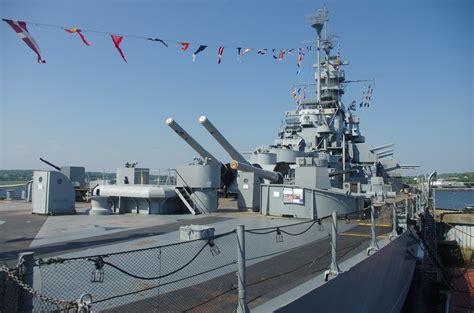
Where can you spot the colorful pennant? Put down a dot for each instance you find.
(219, 54)
(367, 96)
(199, 50)
(117, 40)
(20, 28)
(281, 56)
(79, 32)
(159, 40)
(184, 46)
(352, 106)
(299, 60)
(246, 51)
(338, 60)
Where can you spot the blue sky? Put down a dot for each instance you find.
(85, 106)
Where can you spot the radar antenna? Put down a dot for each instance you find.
(318, 20)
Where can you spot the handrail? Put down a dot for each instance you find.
(187, 185)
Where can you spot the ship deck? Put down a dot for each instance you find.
(269, 275)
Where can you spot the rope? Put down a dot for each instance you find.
(156, 277)
(136, 36)
(285, 250)
(62, 260)
(457, 229)
(164, 284)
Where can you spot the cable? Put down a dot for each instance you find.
(164, 284)
(457, 229)
(286, 250)
(156, 277)
(62, 260)
(141, 36)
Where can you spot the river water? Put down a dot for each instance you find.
(453, 199)
(7, 185)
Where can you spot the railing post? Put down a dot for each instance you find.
(373, 243)
(241, 279)
(407, 213)
(334, 267)
(26, 260)
(3, 290)
(394, 222)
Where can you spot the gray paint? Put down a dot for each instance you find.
(317, 203)
(386, 278)
(136, 176)
(52, 193)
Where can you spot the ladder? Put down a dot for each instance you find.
(185, 197)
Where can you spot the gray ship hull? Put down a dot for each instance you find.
(379, 283)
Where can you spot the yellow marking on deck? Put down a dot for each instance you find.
(360, 235)
(378, 225)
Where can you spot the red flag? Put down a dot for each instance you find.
(20, 28)
(184, 46)
(117, 40)
(282, 54)
(219, 55)
(78, 31)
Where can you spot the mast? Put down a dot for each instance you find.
(317, 22)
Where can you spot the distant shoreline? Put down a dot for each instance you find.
(455, 189)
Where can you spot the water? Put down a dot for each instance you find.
(453, 199)
(4, 187)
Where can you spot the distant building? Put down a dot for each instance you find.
(443, 183)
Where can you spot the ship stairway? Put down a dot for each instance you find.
(430, 266)
(401, 215)
(185, 196)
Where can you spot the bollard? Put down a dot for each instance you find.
(241, 279)
(373, 243)
(29, 188)
(26, 260)
(334, 267)
(394, 222)
(10, 194)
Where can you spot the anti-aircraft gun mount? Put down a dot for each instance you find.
(77, 177)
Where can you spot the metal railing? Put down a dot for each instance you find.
(199, 275)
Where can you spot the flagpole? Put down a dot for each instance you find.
(318, 60)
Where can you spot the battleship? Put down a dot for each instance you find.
(317, 223)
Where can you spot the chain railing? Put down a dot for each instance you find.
(200, 275)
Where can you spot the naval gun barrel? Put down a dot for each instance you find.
(274, 177)
(50, 164)
(383, 147)
(343, 172)
(234, 154)
(384, 152)
(384, 155)
(190, 140)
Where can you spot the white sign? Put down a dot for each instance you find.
(276, 194)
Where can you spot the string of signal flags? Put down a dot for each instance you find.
(20, 27)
